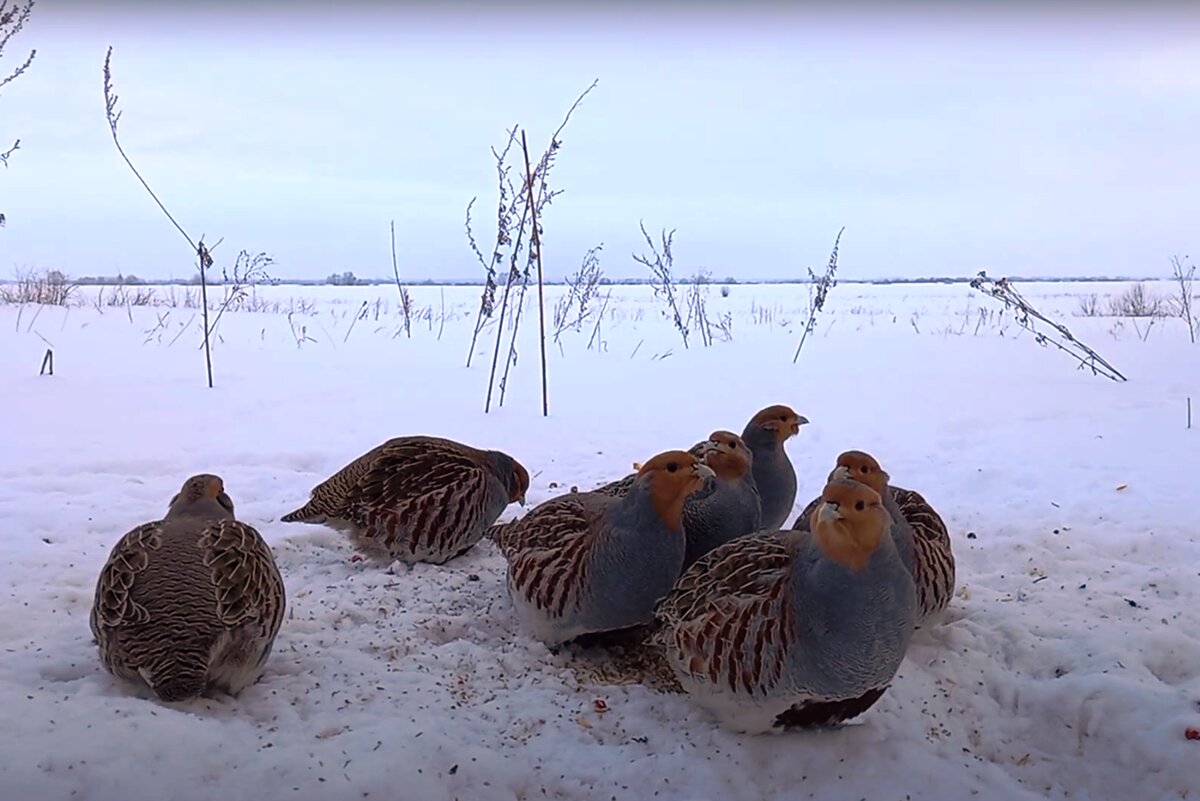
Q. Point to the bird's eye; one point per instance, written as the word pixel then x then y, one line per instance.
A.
pixel 859 505
pixel 672 467
pixel 863 470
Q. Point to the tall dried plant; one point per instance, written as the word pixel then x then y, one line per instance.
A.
pixel 660 262
pixel 203 253
pixel 577 303
pixel 12 19
pixel 818 292
pixel 405 297
pixel 532 207
pixel 1184 272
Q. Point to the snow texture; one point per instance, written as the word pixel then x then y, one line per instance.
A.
pixel 1067 666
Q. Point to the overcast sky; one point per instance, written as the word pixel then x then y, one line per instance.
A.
pixel 1023 141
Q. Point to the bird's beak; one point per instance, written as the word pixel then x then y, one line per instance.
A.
pixel 521 500
pixel 828 512
pixel 801 420
pixel 840 473
pixel 704 471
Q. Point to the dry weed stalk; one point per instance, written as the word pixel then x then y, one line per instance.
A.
pixel 300 336
pixel 1089 305
pixel 1183 271
pixel 405 298
pixel 126 296
pixel 697 305
pixel 583 287
pixel 533 205
pixel 514 275
pixel 535 208
pixel 203 253
pixel 504 226
pixel 1028 318
pixel 1136 301
pixel 248 271
pixel 595 338
pixel 818 291
pixel 203 257
pixel 662 281
pixel 12 19
pixel 41 288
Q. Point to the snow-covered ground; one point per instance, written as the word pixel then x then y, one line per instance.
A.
pixel 1068 665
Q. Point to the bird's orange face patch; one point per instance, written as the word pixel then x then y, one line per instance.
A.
pixel 849 523
pixel 213 487
pixel 730 458
pixel 780 419
pixel 861 466
pixel 673 475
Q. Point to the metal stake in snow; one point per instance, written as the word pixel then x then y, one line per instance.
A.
pixel 1189 405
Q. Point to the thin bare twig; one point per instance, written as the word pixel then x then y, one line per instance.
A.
pixel 114 116
pixel 442 314
pixel 599 318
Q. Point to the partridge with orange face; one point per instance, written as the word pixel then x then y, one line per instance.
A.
pixel 417 499
pixel 920 533
pixel 766 434
pixel 734 507
pixel 588 562
pixel 794 628
pixel 192 602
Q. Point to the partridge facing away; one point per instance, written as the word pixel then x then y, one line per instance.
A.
pixel 766 434
pixel 417 498
pixel 782 629
pixel 189 603
pixel 587 562
pixel 923 540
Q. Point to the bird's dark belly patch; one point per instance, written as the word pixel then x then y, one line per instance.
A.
pixel 828 713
